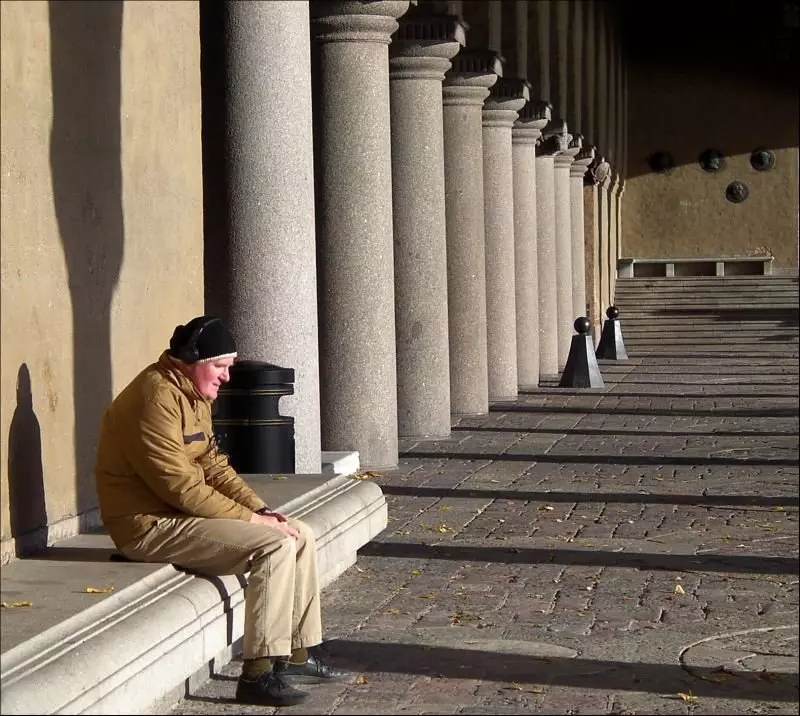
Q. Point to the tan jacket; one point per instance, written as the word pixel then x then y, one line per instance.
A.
pixel 156 457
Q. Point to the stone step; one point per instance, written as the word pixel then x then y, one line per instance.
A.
pixel 162 627
pixel 709 280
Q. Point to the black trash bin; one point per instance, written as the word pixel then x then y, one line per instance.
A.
pixel 247 422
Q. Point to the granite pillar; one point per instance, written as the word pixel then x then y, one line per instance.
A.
pixel 594 177
pixel 416 71
pixel 604 221
pixel 466 86
pixel 546 248
pixel 358 378
pixel 591 248
pixel 613 239
pixel 525 135
pixel 268 168
pixel 500 110
pixel 577 225
pixel 563 161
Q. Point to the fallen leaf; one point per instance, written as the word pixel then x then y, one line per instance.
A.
pixel 546 508
pixel 427 596
pixel 98 590
pixel 14 605
pixel 280 477
pixel 361 679
pixel 403 533
pixel 394 611
pixel 445 507
pixel 778 508
pixel 690 698
pixel 415 573
pixel 444 528
pixel 679 589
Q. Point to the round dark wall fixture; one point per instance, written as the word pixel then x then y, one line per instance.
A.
pixel 661 162
pixel 762 159
pixel 712 160
pixel 736 192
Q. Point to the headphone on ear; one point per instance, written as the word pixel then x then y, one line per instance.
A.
pixel 188 352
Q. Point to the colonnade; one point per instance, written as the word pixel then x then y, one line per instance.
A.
pixel 417 218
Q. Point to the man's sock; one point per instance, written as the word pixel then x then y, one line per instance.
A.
pixel 253 669
pixel 299 656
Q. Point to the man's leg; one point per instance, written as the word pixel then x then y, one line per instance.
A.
pixel 219 547
pixel 307 621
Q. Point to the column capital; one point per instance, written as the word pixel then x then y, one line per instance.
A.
pixel 598 171
pixel 472 61
pixel 582 159
pixel 424 45
pixel 355 20
pixel 506 98
pixel 555 138
pixel 532 119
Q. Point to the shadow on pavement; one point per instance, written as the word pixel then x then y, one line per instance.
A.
pixel 603 497
pixel 585 557
pixel 598 458
pixel 643 433
pixel 450 663
pixel 668 412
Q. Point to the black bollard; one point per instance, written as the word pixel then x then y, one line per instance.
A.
pixel 581 370
pixel 611 346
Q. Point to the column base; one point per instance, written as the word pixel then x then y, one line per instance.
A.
pixel 444 436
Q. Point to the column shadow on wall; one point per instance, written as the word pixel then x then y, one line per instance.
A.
pixel 26 500
pixel 216 195
pixel 85 159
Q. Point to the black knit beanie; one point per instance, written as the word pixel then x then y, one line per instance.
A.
pixel 202 340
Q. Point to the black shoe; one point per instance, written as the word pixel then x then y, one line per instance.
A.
pixel 314 671
pixel 269 690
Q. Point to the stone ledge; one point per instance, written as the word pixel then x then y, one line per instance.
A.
pixel 127 652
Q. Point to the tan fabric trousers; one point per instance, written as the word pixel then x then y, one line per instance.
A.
pixel 282 603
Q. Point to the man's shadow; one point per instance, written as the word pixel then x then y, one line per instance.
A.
pixel 26 500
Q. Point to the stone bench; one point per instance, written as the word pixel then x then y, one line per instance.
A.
pixel 137 646
pixel 678 268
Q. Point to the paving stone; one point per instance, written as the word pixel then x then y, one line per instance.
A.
pixel 603 553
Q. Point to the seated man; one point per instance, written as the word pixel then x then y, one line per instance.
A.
pixel 167 494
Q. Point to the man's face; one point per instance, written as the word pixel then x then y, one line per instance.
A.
pixel 209 377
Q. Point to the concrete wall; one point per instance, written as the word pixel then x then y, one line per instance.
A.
pixel 734 89
pixel 101 234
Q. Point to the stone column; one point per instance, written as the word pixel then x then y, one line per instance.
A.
pixel 595 176
pixel 578 226
pixel 613 199
pixel 546 248
pixel 266 284
pixel 563 160
pixel 604 221
pixel 465 88
pixel 506 97
pixel 416 71
pixel 620 204
pixel 592 252
pixel 356 292
pixel 525 135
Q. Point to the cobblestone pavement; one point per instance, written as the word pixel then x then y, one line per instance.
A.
pixel 630 550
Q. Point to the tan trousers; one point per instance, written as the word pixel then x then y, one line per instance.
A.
pixel 282 604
